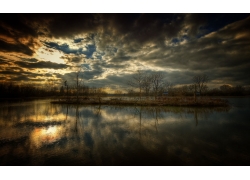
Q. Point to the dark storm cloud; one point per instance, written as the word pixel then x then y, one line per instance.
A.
pixel 120 57
pixel 72 59
pixel 68 25
pixel 48 75
pixel 10 72
pixel 64 48
pixel 133 31
pixel 16 25
pixel 67 50
pixel 156 27
pixel 222 55
pixel 144 28
pixel 102 66
pixel 41 64
pixel 209 55
pixel 20 78
pixel 183 77
pixel 11 68
pixel 92 72
pixel 18 71
pixel 18 74
pixel 140 26
pixel 78 40
pixel 113 81
pixel 200 24
pixel 3 61
pixel 225 50
pixel 26 78
pixel 116 66
pixel 135 27
pixel 32 60
pixel 14 28
pixel 20 48
pixel 183 44
pixel 234 76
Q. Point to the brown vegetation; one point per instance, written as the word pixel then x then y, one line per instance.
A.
pixel 162 101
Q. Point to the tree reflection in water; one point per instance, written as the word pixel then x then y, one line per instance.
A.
pixel 45 134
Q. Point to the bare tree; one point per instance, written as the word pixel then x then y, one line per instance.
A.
pixel 99 92
pixel 168 86
pixel 191 88
pixel 137 81
pixel 79 81
pixel 77 86
pixel 200 83
pixel 157 83
pixel 147 84
pixel 67 86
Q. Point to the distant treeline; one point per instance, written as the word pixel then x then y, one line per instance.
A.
pixel 186 90
pixel 12 90
pixel 226 90
pixel 154 84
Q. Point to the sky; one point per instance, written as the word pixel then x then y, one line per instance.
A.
pixel 109 48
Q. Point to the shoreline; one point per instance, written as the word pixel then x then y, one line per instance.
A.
pixel 187 102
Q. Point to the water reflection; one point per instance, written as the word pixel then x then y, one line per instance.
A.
pixel 40 133
pixel 44 136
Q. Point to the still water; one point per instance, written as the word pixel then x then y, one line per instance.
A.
pixel 40 133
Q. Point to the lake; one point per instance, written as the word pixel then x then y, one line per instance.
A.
pixel 39 133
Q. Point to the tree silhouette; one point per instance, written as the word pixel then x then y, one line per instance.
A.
pixel 200 83
pixel 137 81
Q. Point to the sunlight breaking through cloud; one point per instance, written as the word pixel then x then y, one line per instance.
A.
pixel 108 45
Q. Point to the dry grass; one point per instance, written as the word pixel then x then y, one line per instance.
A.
pixel 169 101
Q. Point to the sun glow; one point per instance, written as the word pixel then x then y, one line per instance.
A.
pixel 42 136
pixel 53 56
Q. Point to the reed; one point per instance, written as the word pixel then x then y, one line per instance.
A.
pixel 170 101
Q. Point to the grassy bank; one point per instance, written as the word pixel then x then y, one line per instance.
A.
pixel 170 101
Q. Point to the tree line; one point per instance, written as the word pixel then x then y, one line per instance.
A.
pixel 14 90
pixel 148 84
pixel 141 84
pixel 155 84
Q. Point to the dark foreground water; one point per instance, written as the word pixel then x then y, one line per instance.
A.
pixel 40 133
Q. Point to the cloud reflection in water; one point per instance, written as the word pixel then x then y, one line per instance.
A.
pixel 103 135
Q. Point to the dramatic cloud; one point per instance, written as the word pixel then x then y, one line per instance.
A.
pixel 78 40
pixel 17 34
pixel 41 64
pixel 68 25
pixel 109 48
pixel 88 50
pixel 20 48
